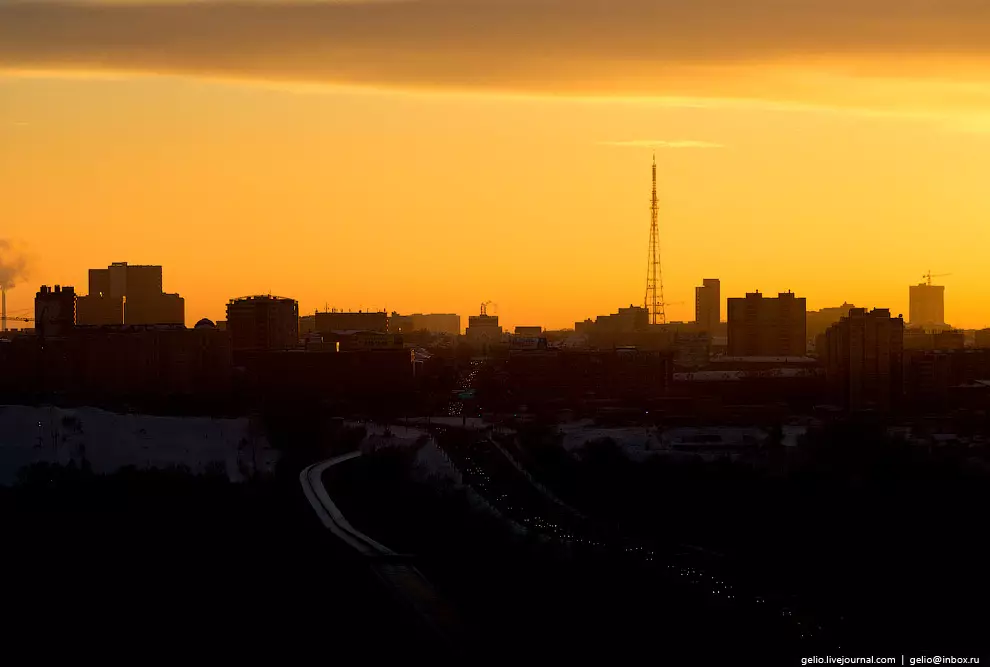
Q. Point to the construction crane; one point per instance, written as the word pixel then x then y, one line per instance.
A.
pixel 928 276
pixel 15 319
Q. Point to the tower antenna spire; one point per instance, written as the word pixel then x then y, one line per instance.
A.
pixel 654 276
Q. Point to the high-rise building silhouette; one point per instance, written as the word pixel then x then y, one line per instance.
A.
pixel 820 320
pixel 263 323
pixel 54 311
pixel 654 275
pixel 927 305
pixel 767 327
pixel 708 305
pixel 126 293
pixel 864 359
pixel 483 331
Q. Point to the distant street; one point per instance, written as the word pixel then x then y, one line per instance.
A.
pixel 509 492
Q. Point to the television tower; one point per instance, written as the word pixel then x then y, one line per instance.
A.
pixel 654 277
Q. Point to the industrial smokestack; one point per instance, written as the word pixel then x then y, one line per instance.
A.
pixel 13 268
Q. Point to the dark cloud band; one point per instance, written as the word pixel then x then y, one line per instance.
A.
pixel 587 46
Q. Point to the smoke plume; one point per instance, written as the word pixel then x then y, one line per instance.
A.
pixel 13 264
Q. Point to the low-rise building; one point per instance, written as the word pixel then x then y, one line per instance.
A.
pixel 436 323
pixel 362 320
pixel 917 338
pixel 99 310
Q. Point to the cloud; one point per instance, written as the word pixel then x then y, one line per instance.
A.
pixel 660 143
pixel 794 51
pixel 13 263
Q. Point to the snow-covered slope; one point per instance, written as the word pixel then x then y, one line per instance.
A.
pixel 110 441
pixel 379 436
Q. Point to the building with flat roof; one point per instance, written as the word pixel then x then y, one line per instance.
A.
pixel 767 327
pixel 400 324
pixel 438 323
pixel 126 293
pixel 818 321
pixel 927 306
pixel 307 325
pixel 97 310
pixel 365 340
pixel 263 323
pixel 936 339
pixel 708 305
pixel 362 320
pixel 864 359
pixel 629 327
pixel 483 331
pixel 628 320
pixel 54 311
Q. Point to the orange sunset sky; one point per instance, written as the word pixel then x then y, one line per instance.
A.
pixel 428 155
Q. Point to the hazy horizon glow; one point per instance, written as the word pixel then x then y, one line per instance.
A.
pixel 433 154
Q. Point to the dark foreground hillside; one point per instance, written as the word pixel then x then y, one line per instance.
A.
pixel 165 561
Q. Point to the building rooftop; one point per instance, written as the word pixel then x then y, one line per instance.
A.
pixel 260 297
pixel 765 360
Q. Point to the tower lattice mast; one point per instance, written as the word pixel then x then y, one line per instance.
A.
pixel 654 276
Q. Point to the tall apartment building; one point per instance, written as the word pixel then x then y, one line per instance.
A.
pixel 708 305
pixel 864 359
pixel 126 293
pixel 263 323
pixel 54 311
pixel 820 320
pixel 927 306
pixel 767 327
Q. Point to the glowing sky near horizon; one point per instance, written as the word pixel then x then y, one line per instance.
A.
pixel 431 155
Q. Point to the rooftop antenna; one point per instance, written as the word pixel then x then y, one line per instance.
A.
pixel 654 277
